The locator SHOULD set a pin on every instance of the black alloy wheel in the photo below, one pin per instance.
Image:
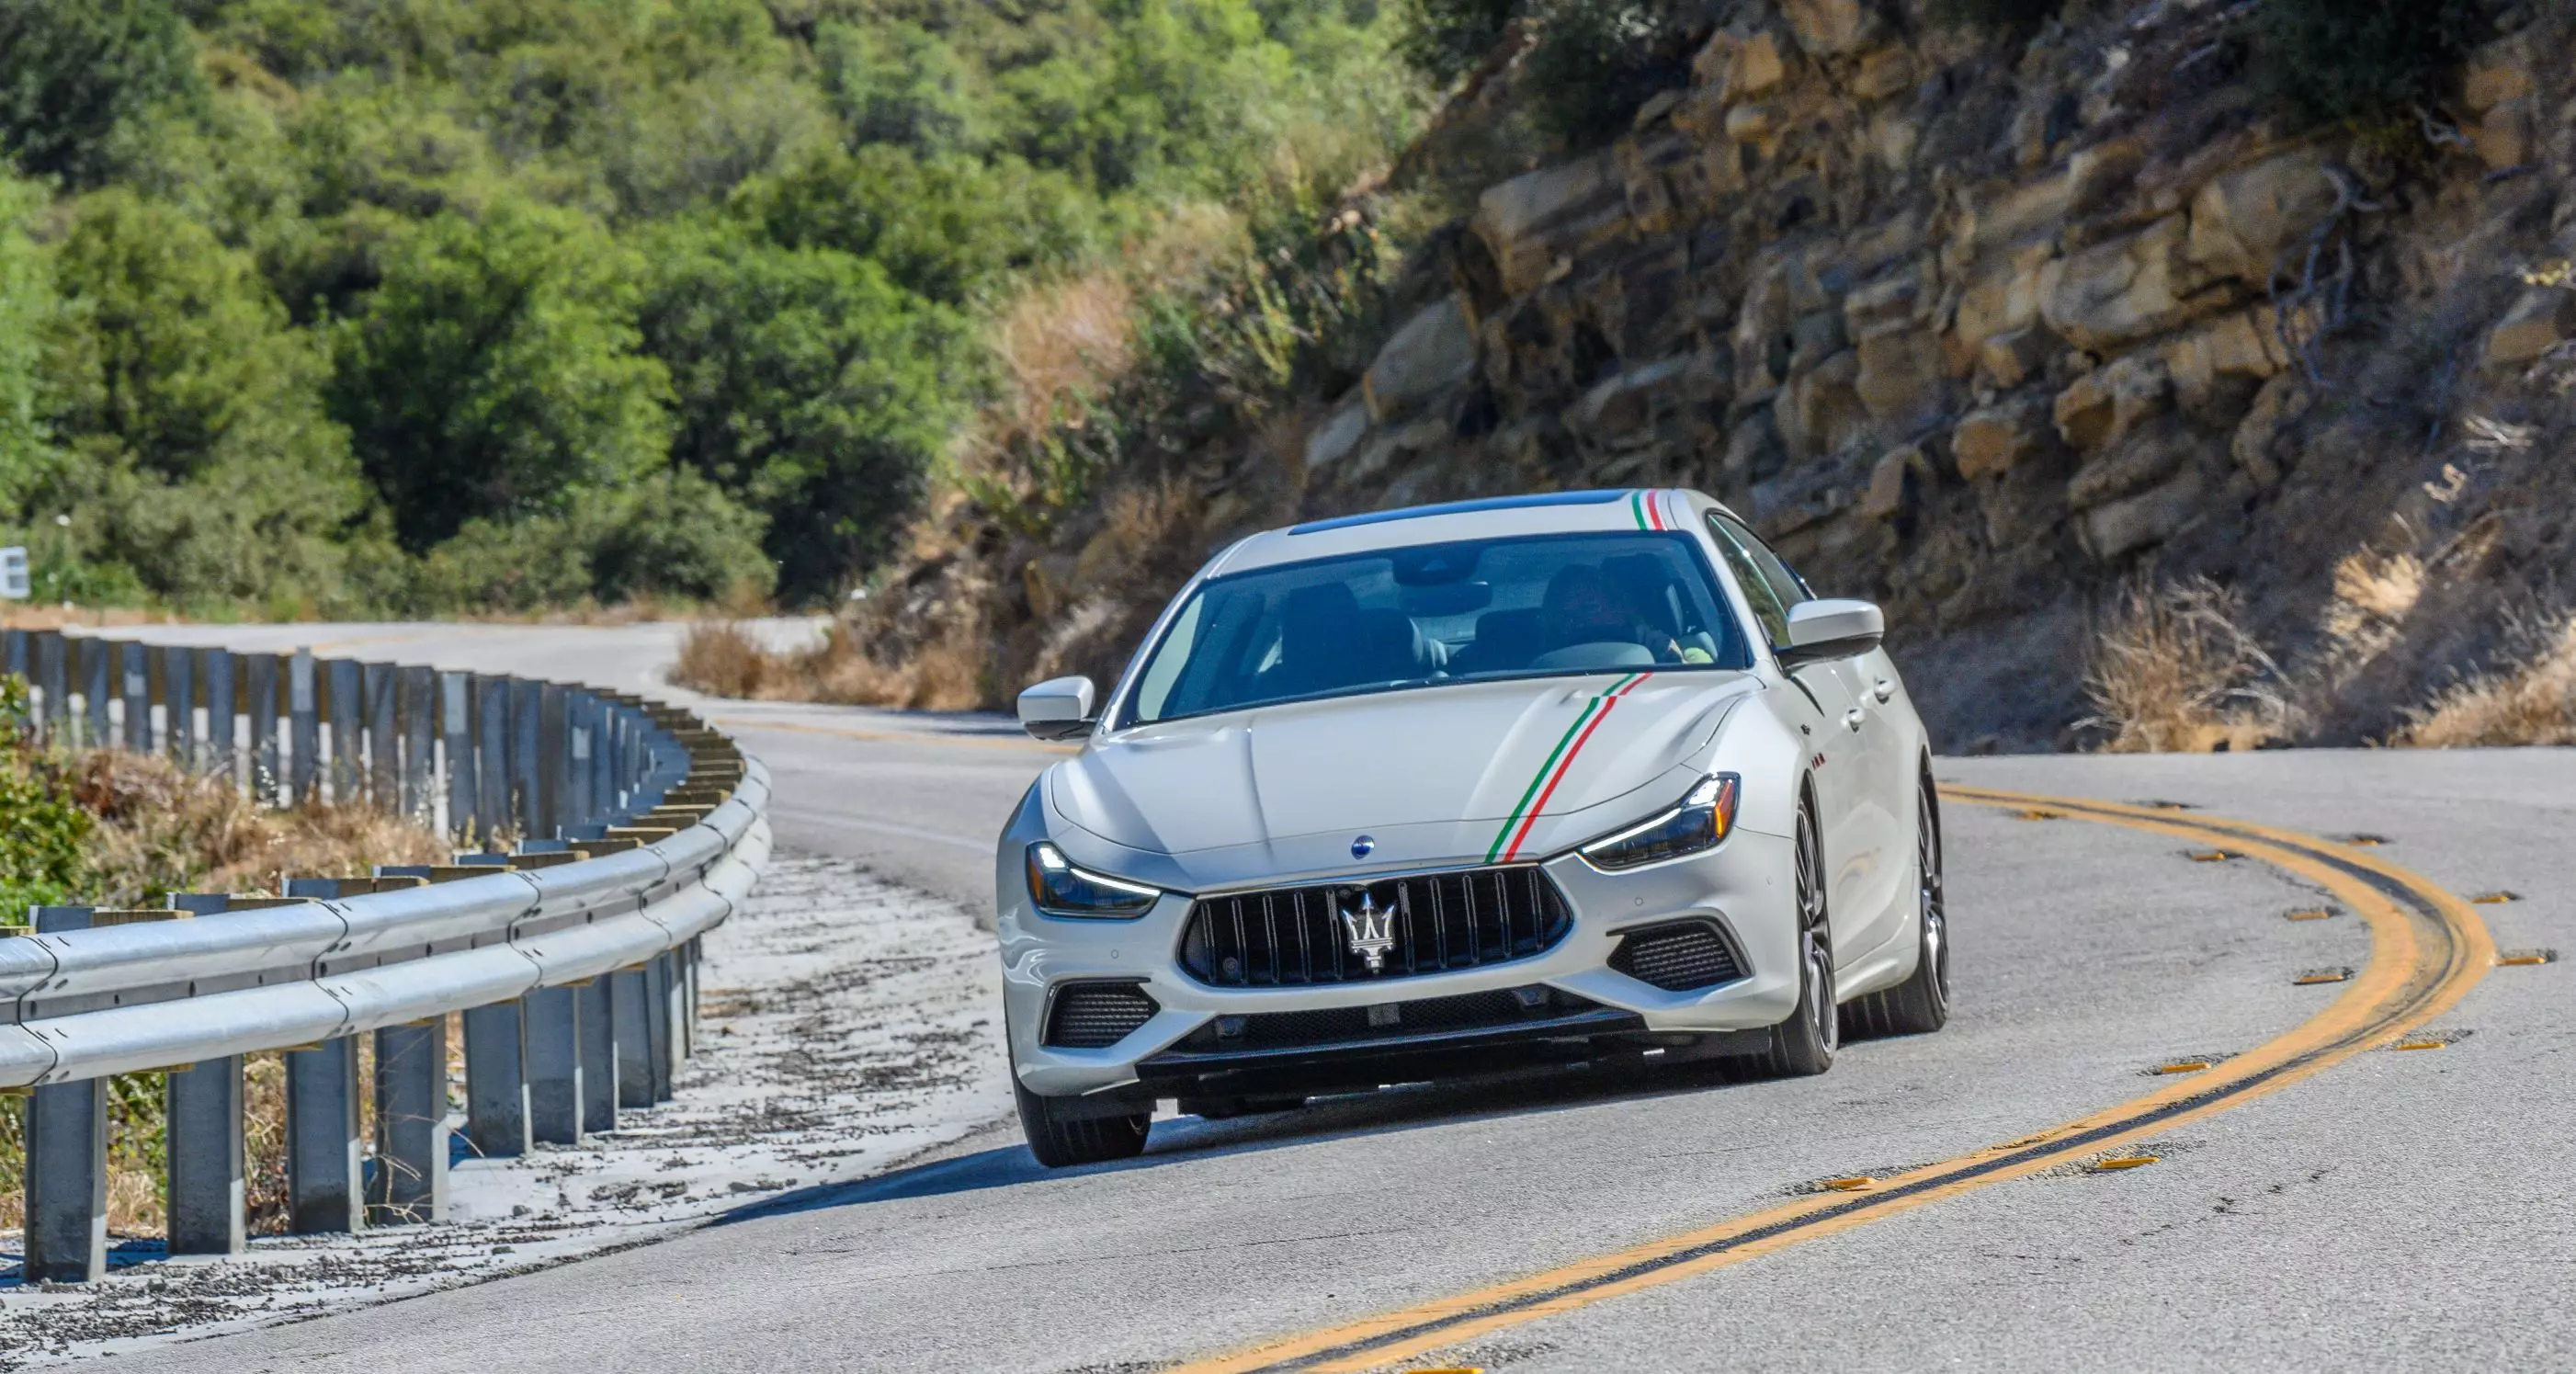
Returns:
(1804, 1044)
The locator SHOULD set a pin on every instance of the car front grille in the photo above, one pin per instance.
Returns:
(1678, 957)
(1297, 936)
(1092, 1016)
(1273, 1030)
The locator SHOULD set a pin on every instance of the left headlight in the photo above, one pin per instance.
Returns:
(1702, 819)
(1060, 889)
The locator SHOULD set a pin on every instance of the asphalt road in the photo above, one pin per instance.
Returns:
(2387, 1210)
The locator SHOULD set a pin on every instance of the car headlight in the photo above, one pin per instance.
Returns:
(1060, 889)
(1702, 819)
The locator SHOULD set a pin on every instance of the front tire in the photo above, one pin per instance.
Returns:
(1804, 1044)
(1060, 1140)
(1921, 1004)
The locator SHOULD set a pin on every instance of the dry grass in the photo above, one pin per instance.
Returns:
(2531, 702)
(2173, 670)
(944, 673)
(163, 829)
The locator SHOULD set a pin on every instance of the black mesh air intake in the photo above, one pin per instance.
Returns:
(1678, 957)
(1092, 1016)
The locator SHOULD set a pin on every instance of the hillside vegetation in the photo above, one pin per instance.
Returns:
(2178, 373)
(338, 306)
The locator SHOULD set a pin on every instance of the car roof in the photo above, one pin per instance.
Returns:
(1564, 512)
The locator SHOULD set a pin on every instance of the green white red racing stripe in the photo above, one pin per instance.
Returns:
(1647, 506)
(1560, 761)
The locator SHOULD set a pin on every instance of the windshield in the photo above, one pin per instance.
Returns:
(1531, 606)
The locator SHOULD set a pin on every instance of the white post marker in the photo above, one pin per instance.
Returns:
(14, 585)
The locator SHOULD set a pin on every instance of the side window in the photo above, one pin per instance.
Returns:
(1767, 581)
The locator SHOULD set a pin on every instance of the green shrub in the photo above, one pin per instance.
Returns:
(1446, 39)
(75, 75)
(40, 847)
(669, 535)
(1596, 61)
(2358, 60)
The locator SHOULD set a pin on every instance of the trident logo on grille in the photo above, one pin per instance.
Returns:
(1372, 931)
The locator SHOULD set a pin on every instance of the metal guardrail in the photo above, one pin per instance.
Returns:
(574, 960)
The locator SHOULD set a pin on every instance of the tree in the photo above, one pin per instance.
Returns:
(26, 310)
(807, 385)
(496, 370)
(75, 72)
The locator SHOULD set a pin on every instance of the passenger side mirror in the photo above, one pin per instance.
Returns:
(1058, 709)
(1829, 629)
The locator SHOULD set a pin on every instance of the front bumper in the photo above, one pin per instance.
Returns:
(1746, 885)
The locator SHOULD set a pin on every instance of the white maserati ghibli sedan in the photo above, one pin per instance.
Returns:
(1568, 778)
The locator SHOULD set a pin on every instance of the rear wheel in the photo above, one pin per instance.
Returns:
(1805, 1043)
(1059, 1138)
(1920, 1004)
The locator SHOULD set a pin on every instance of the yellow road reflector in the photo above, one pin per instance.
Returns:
(2104, 1166)
(2497, 898)
(2038, 813)
(1854, 1184)
(2524, 958)
(2210, 856)
(2186, 1066)
(2315, 976)
(2421, 1045)
(2314, 913)
(2365, 841)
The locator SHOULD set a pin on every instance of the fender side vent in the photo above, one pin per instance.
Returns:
(1094, 1016)
(1678, 957)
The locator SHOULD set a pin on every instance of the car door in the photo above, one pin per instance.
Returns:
(1837, 761)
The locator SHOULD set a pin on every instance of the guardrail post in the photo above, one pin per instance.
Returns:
(630, 1000)
(66, 1135)
(657, 1023)
(691, 955)
(496, 1080)
(219, 756)
(134, 681)
(384, 738)
(456, 723)
(94, 654)
(322, 1141)
(14, 655)
(347, 708)
(552, 799)
(419, 705)
(598, 1055)
(579, 714)
(259, 682)
(491, 756)
(204, 1135)
(410, 1184)
(527, 750)
(554, 1065)
(303, 708)
(179, 703)
(53, 678)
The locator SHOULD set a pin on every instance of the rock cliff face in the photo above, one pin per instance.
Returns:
(1981, 327)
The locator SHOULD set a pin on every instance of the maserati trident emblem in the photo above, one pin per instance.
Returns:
(1372, 931)
(1360, 847)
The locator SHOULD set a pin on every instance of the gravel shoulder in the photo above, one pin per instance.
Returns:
(849, 1026)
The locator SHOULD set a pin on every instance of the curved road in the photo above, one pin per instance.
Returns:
(2316, 1198)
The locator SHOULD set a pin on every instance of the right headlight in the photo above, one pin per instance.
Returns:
(1060, 889)
(1699, 822)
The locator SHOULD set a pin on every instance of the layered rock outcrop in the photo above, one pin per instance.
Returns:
(1979, 326)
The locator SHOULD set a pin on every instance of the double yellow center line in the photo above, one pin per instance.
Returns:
(2428, 947)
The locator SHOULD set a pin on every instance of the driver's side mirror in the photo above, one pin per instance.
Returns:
(1831, 628)
(1059, 708)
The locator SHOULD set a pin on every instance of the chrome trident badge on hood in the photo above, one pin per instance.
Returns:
(1372, 931)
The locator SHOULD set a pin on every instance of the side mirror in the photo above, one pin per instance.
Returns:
(1830, 629)
(1059, 708)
